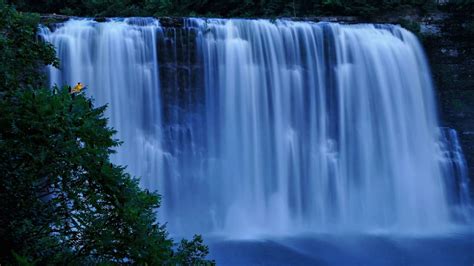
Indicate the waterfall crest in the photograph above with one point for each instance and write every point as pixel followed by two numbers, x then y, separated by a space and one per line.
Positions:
pixel 296 126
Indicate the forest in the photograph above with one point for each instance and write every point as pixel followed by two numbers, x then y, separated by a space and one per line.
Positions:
pixel 238 8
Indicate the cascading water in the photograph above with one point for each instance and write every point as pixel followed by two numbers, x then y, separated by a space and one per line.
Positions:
pixel 456 172
pixel 298 126
pixel 120 58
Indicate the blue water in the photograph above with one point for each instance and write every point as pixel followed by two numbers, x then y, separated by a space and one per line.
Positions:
pixel 351 250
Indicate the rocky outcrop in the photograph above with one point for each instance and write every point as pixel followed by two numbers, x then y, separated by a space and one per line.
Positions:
pixel 449 44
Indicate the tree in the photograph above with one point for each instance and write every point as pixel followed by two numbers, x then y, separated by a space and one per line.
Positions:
pixel 229 8
pixel 22 53
pixel 63 201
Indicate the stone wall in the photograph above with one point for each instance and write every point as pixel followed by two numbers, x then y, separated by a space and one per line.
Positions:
pixel 449 44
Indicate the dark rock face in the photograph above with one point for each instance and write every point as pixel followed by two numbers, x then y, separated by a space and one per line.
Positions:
pixel 181 84
pixel 181 72
pixel 449 44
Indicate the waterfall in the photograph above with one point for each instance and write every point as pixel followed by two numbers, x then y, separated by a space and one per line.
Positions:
pixel 118 63
pixel 456 174
pixel 279 127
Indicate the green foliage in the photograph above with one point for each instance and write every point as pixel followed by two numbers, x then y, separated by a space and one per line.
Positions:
pixel 191 252
pixel 113 8
pixel 22 54
pixel 234 8
pixel 410 25
pixel 461 7
pixel 159 7
pixel 62 200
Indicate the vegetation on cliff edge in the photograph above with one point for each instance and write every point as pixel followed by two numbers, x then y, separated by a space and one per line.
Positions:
pixel 235 8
